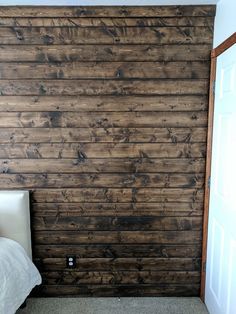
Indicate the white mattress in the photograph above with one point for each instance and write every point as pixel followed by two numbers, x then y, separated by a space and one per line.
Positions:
pixel 18 276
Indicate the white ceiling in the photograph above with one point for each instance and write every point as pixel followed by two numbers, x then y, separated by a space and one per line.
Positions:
pixel 106 2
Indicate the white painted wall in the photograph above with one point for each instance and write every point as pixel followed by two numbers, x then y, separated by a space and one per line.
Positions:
pixel 225 21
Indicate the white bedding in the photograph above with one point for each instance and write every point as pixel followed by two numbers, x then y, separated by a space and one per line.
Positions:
pixel 18 276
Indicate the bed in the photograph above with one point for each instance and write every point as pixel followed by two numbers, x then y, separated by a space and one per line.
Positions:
pixel 17 272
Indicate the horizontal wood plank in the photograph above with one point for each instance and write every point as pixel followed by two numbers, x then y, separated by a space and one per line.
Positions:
pixel 103 135
pixel 106 21
pixel 149 223
pixel 103 87
pixel 117 251
pixel 106 70
pixel 125 237
pixel 95 53
pixel 31 181
pixel 162 264
pixel 173 209
pixel 104 35
pixel 122 165
pixel 103 103
pixel 109 195
pixel 141 290
pixel 108 11
pixel 102 120
pixel 124 223
pixel 102 150
pixel 120 277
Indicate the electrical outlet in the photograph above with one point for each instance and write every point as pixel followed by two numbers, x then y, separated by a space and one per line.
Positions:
pixel 70 261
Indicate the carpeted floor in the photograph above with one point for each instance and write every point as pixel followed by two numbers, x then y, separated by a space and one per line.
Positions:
pixel 114 306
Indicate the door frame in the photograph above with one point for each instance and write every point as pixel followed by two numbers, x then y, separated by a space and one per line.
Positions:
pixel 214 54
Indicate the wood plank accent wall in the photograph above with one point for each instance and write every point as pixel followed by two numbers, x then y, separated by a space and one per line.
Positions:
pixel 104 117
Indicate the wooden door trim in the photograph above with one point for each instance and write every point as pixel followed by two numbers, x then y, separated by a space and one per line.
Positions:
pixel 229 42
pixel 224 46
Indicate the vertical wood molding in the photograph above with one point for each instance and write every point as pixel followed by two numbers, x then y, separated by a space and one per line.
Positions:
pixel 208 174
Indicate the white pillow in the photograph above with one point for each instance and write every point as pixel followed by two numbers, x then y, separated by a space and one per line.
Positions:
pixel 18 276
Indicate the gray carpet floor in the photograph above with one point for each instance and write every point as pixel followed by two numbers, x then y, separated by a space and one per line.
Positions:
pixel 114 306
